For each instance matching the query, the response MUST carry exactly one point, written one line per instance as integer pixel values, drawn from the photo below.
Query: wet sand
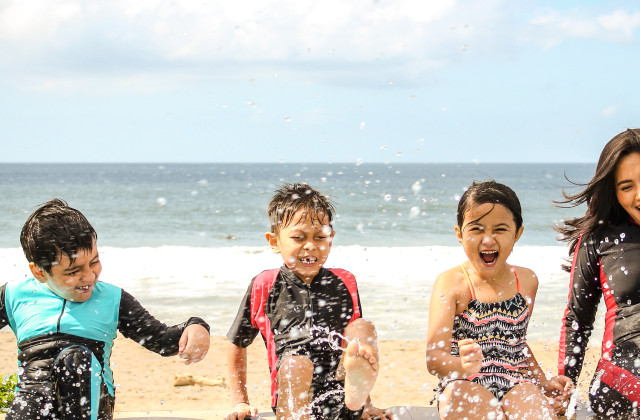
(145, 380)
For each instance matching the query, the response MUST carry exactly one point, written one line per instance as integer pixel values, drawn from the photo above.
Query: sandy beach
(145, 380)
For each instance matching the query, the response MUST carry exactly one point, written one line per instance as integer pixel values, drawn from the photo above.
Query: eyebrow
(624, 181)
(477, 223)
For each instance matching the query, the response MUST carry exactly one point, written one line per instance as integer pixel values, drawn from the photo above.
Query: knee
(363, 330)
(298, 369)
(74, 359)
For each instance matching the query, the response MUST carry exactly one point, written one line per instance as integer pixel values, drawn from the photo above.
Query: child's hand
(470, 356)
(372, 413)
(558, 388)
(194, 344)
(242, 410)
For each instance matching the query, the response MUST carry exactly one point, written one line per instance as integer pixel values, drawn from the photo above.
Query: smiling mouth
(489, 257)
(84, 288)
(308, 260)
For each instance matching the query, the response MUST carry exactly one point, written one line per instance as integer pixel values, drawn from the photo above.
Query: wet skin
(75, 280)
(487, 237)
(304, 244)
(628, 185)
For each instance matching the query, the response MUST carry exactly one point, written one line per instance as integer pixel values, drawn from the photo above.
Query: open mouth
(84, 288)
(308, 260)
(489, 257)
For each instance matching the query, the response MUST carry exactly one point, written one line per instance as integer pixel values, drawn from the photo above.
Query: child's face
(304, 244)
(72, 281)
(628, 185)
(488, 241)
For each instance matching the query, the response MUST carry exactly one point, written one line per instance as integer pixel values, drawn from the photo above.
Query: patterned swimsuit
(499, 328)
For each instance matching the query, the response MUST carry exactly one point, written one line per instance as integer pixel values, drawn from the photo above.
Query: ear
(458, 234)
(38, 272)
(272, 238)
(519, 233)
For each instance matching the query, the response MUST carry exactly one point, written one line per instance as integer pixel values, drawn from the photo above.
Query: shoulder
(25, 289)
(451, 283)
(341, 273)
(528, 280)
(262, 285)
(265, 277)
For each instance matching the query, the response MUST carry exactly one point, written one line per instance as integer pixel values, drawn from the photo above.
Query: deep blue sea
(186, 239)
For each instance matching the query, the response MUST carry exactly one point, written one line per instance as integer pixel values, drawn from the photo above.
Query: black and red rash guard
(294, 316)
(605, 264)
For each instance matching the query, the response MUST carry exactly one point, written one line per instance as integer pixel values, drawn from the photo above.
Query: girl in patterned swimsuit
(478, 317)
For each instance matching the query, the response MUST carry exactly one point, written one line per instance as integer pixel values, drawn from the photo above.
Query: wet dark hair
(290, 198)
(53, 229)
(490, 192)
(603, 208)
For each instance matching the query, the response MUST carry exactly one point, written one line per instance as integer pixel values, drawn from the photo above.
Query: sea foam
(395, 283)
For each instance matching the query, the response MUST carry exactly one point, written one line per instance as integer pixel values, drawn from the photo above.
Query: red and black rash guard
(298, 318)
(606, 263)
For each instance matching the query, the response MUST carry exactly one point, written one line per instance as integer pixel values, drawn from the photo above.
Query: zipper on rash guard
(309, 307)
(64, 303)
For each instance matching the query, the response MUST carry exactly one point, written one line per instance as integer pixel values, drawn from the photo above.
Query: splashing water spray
(333, 339)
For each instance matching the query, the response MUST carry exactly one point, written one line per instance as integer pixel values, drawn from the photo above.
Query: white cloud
(553, 27)
(621, 23)
(76, 36)
(85, 41)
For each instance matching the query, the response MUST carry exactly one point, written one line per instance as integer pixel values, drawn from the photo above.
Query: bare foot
(361, 369)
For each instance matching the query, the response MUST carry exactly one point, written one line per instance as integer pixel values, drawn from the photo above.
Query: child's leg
(526, 401)
(32, 403)
(466, 399)
(294, 388)
(360, 362)
(77, 379)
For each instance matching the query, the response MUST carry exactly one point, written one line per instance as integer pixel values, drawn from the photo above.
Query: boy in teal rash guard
(65, 322)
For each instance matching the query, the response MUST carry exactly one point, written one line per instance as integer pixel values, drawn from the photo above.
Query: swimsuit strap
(466, 275)
(517, 278)
(473, 295)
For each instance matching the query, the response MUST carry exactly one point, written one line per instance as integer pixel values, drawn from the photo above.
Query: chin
(81, 299)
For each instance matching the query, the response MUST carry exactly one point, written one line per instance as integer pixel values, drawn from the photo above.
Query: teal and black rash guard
(47, 326)
(607, 264)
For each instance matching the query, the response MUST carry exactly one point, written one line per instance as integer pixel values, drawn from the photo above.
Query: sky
(316, 81)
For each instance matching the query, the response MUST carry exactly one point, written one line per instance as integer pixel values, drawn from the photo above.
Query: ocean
(186, 239)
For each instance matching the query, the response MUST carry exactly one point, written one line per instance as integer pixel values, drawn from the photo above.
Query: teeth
(308, 260)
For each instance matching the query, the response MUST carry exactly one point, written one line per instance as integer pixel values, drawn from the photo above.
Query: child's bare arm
(442, 310)
(237, 367)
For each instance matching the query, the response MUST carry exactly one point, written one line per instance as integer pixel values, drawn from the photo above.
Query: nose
(309, 245)
(488, 238)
